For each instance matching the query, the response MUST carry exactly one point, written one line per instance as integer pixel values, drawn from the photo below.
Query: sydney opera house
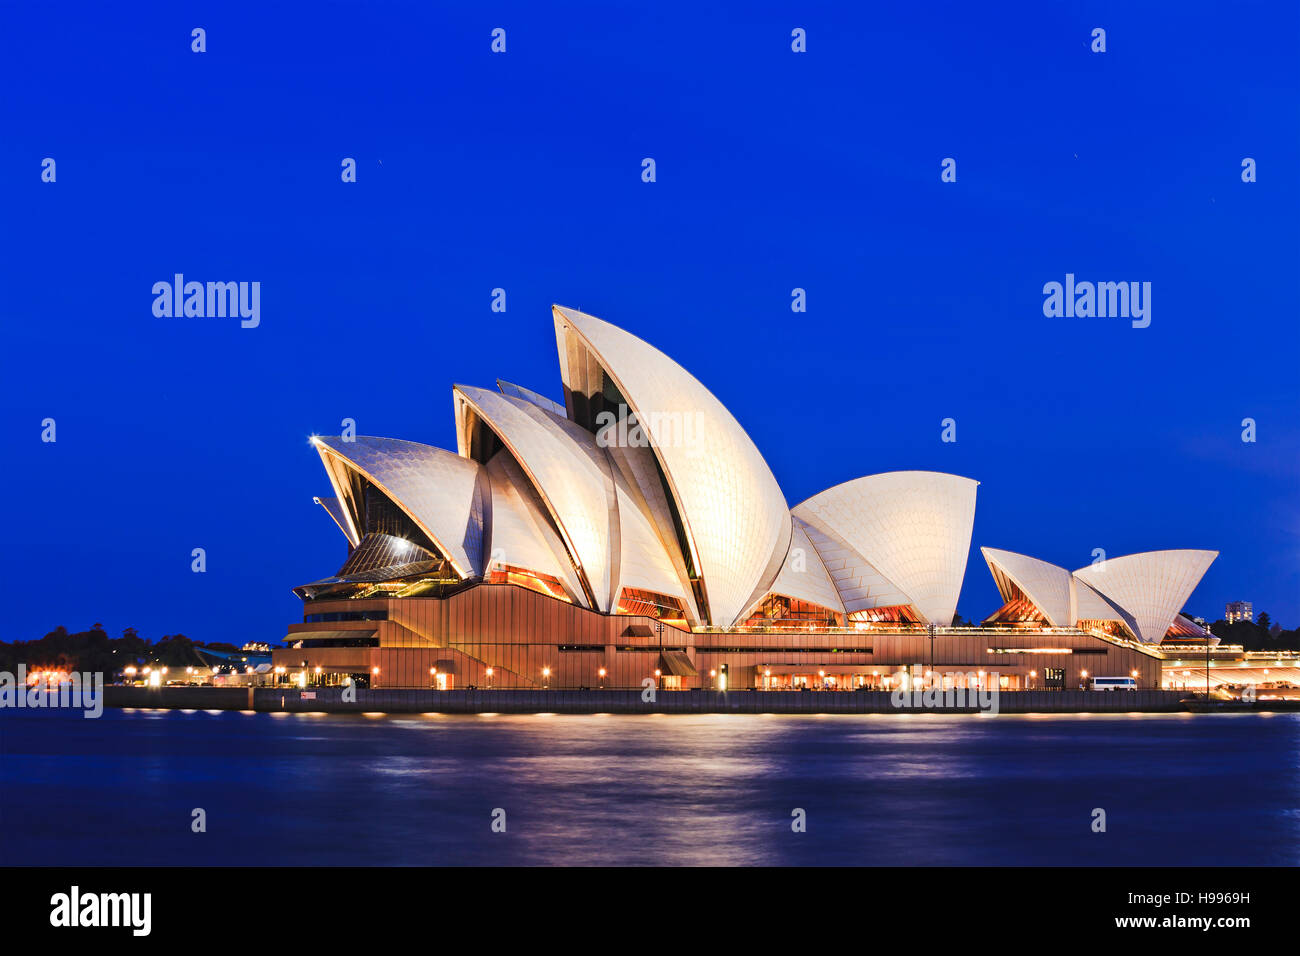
(635, 533)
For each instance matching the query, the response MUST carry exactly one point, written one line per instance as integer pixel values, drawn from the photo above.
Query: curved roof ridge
(530, 395)
(879, 474)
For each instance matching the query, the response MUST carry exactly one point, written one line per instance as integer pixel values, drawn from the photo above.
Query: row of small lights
(546, 672)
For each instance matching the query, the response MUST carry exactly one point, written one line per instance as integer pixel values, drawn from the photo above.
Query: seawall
(413, 700)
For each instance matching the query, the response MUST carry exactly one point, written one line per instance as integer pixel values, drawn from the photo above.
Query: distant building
(1238, 611)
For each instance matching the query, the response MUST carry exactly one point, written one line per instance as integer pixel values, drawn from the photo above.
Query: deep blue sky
(522, 170)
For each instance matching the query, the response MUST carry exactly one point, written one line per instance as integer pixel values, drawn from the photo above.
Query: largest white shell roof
(735, 514)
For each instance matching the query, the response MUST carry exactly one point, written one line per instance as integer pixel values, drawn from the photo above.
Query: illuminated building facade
(635, 533)
(1238, 611)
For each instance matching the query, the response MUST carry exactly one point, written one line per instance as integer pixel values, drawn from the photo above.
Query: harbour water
(316, 789)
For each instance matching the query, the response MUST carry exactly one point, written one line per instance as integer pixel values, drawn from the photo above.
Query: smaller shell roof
(439, 490)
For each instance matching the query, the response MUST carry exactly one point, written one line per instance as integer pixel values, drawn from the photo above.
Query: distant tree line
(1260, 634)
(93, 650)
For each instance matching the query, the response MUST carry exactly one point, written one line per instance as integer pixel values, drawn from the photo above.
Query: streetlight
(1084, 676)
(934, 632)
(488, 672)
(1207, 663)
(602, 678)
(546, 678)
(659, 629)
(659, 678)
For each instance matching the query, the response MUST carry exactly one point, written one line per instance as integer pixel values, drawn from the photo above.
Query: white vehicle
(1114, 683)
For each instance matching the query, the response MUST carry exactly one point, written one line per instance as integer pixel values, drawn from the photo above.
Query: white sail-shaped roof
(914, 527)
(803, 576)
(1152, 586)
(440, 491)
(520, 532)
(1092, 606)
(735, 517)
(1046, 585)
(568, 471)
(860, 586)
(636, 474)
(644, 563)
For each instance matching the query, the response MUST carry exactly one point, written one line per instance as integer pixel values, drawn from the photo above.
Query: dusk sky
(775, 170)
